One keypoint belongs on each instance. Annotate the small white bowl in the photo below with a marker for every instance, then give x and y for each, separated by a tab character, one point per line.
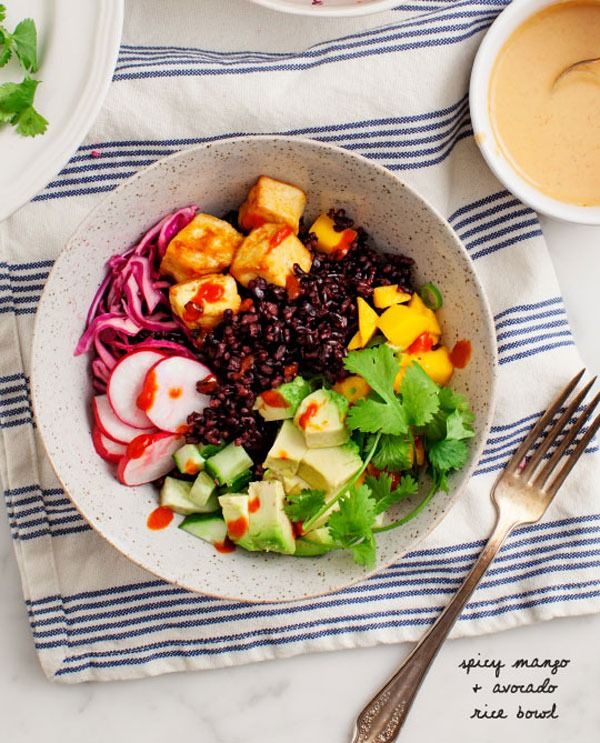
329	8
507	22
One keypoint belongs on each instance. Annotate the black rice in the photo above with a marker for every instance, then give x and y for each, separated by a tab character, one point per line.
279	333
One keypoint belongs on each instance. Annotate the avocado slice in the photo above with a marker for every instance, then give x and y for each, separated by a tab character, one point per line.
282	402
287	451
316	542
270	528
321	415
236	512
328	469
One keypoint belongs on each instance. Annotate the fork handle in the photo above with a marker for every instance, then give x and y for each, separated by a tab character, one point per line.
382	718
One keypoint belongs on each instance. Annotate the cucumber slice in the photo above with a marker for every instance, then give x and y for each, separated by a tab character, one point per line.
211	528
174	494
203	487
188	459
240	482
209	450
228	464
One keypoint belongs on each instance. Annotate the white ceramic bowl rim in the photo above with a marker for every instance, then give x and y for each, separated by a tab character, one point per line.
40	380
510	18
349	8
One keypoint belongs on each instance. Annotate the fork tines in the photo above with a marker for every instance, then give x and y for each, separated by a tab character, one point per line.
525	462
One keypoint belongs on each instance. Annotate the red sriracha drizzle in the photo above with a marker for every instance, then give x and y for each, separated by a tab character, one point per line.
274	399
137	447
238	528
146	397
207	292
347	237
422	344
311	410
461	354
225	546
280	235
160	518
254	504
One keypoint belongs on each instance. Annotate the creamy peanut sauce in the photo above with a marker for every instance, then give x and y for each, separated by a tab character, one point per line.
548	130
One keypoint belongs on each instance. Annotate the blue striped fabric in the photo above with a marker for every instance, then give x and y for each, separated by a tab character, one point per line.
94	615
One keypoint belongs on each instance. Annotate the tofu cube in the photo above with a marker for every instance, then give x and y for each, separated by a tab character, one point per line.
271	201
270	252
206	245
200	303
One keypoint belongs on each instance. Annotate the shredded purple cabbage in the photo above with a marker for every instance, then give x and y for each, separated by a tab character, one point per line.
133	298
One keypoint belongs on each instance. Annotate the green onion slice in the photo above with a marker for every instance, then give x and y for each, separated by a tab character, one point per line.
431	296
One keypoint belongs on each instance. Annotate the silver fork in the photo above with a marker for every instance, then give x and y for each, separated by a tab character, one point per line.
521	495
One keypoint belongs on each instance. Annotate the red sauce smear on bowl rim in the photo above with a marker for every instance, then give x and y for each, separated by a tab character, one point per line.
461	354
160	518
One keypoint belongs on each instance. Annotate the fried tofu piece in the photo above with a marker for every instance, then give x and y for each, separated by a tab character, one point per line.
270	252
200	303
274	202
206	245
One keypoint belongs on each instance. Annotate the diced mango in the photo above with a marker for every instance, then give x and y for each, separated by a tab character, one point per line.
405	360
329	240
402	324
417	303
353	388
355	342
386	296
367	321
436	364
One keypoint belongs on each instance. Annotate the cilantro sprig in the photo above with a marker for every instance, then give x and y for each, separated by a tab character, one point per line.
16	99
388	422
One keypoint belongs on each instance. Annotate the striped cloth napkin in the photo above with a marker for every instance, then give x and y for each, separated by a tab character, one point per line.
392	87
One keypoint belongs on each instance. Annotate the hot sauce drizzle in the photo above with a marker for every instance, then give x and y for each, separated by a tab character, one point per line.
225	546
160	518
238	528
138	445
311	410
274	399
278	237
175	392
254	504
461	354
146	397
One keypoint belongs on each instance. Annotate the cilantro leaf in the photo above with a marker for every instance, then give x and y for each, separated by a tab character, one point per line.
371	416
14	97
355	517
2	12
365	552
448	455
450	401
420	395
30	123
384	496
378	367
394	453
25	43
457	428
5	46
304	505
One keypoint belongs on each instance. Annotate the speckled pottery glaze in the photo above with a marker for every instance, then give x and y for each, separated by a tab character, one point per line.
217	176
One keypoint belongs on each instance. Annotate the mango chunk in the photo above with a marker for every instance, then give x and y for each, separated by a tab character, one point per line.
353	388
367	321
402	324
330	240
436	364
386	296
355	342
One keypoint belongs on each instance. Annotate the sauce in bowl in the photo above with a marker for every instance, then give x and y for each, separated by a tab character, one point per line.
549	129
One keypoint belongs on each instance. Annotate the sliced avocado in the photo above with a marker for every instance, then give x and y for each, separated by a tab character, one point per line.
270	528
236	513
293	484
282	402
328	469
287	450
321	415
316	542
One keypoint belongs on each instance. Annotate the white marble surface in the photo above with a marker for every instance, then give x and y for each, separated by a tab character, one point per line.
315	698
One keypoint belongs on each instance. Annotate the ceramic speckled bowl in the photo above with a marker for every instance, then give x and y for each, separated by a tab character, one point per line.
217	177
331	8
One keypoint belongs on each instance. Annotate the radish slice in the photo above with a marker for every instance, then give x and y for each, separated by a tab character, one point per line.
170	393
110	450
148	457
125	384
111	426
